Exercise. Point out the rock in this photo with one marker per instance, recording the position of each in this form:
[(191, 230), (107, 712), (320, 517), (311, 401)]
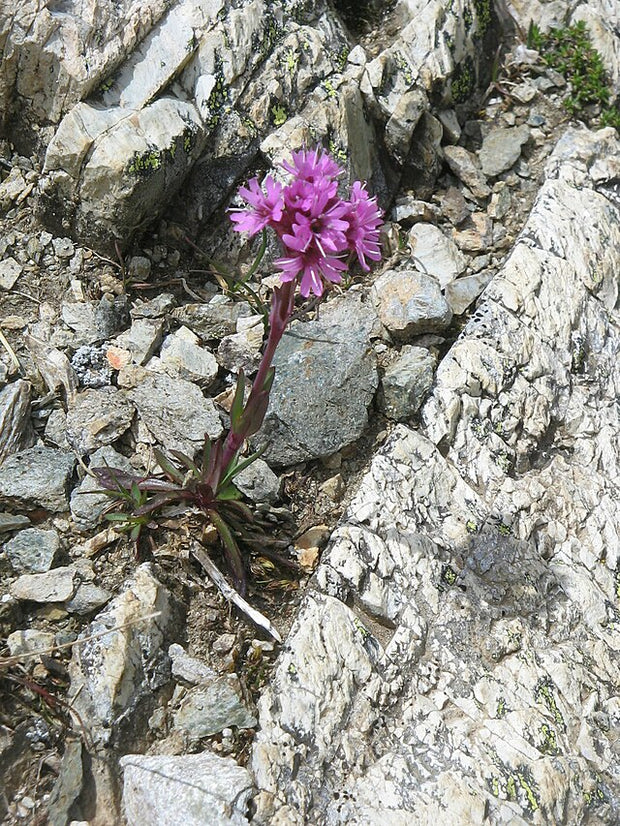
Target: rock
[(436, 254), (12, 522), (401, 125), (68, 785), (325, 380), (181, 355), (175, 412), (258, 482), (29, 641), (10, 270), (189, 669), (111, 315), (56, 585), (500, 204), (454, 206), (466, 166), (88, 501), (16, 431), (501, 149), (91, 366), (142, 339), (460, 294), (476, 235), (410, 210), (113, 676), (32, 550), (87, 598), (139, 269), (214, 320), (193, 789), (460, 555), (98, 417), (206, 711), (409, 302), (406, 383), (37, 476), (53, 365), (242, 349)]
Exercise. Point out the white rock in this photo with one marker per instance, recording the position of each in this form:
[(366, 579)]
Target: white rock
[(436, 254)]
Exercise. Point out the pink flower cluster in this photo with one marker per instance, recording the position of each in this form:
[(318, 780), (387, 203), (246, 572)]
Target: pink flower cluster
[(317, 228)]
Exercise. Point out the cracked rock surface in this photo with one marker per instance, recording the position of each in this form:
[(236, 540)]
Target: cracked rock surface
[(458, 659)]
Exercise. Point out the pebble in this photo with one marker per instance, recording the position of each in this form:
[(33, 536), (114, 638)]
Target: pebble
[(409, 302), (436, 254), (501, 149), (37, 476), (32, 550), (57, 585), (406, 383)]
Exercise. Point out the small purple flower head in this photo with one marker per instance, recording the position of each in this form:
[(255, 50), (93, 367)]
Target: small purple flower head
[(265, 209), (312, 165), (364, 218)]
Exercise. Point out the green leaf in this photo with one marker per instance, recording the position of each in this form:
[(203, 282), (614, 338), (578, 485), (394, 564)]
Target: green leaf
[(236, 410), (169, 469), (237, 467), (229, 492)]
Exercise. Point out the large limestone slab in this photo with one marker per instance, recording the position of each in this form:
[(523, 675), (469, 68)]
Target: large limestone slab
[(458, 658)]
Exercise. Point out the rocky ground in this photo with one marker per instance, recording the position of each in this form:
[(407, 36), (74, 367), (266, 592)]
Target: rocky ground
[(106, 356)]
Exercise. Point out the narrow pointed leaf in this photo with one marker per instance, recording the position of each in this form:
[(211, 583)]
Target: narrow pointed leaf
[(232, 552), (239, 466), (236, 410), (169, 469)]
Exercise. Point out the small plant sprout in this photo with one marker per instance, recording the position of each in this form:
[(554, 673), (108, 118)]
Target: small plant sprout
[(321, 234)]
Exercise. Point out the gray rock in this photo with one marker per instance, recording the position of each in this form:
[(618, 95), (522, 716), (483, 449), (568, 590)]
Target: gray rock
[(16, 431), (139, 269), (56, 585), (409, 302), (501, 149), (258, 482), (37, 476), (68, 785), (501, 201), (436, 254), (325, 380), (406, 383), (10, 270), (241, 350), (12, 522), (32, 550), (193, 789), (142, 339), (111, 315), (88, 502), (205, 711), (162, 305), (91, 366), (114, 675), (455, 682), (214, 320), (175, 412), (460, 294), (98, 417), (410, 210), (181, 355), (454, 205), (466, 166), (189, 669), (87, 598)]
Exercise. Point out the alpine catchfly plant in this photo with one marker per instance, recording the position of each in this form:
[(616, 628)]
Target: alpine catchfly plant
[(321, 234)]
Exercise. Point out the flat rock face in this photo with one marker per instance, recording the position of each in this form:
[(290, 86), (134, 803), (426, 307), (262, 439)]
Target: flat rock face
[(326, 377), (474, 675)]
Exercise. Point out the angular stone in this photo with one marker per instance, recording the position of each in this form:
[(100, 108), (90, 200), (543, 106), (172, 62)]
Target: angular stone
[(193, 789), (175, 412), (466, 166), (406, 383), (32, 550), (56, 585), (476, 235), (214, 320), (98, 417), (258, 482), (501, 149), (325, 380), (454, 206), (189, 669), (205, 711), (16, 431), (37, 476), (29, 641), (460, 294), (142, 339), (10, 270), (409, 303), (181, 355), (436, 254)]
